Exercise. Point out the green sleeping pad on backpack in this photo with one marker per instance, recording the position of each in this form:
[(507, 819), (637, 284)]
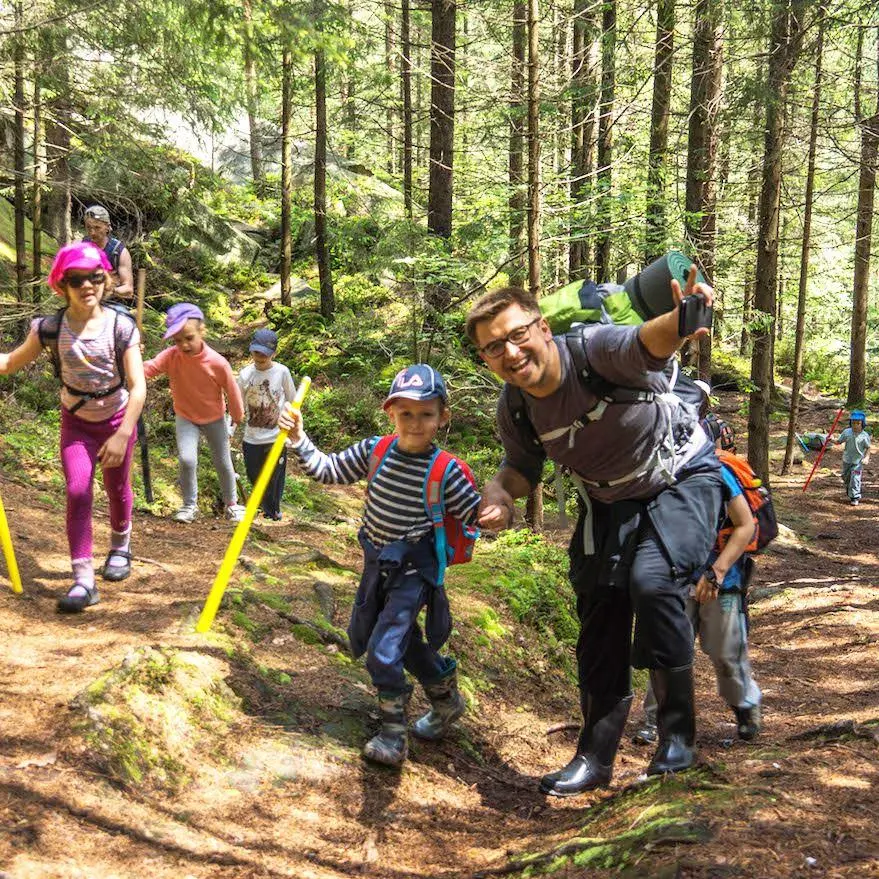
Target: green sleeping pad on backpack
[(588, 303)]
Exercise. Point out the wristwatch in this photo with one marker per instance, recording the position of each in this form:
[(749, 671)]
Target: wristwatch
[(711, 576)]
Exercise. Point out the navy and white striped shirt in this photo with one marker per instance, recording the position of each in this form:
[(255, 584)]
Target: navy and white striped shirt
[(395, 500)]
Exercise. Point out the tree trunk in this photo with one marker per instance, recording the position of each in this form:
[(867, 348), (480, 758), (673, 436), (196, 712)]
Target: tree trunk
[(784, 44), (327, 297), (406, 103), (21, 266), (350, 102), (533, 148), (390, 67), (584, 91), (37, 191), (657, 224), (286, 175), (863, 242), (753, 194), (605, 140), (251, 87), (442, 133), (516, 164), (701, 188), (58, 130), (804, 249)]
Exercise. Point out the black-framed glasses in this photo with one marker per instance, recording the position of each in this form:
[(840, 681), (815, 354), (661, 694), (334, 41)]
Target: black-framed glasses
[(518, 336), (76, 281)]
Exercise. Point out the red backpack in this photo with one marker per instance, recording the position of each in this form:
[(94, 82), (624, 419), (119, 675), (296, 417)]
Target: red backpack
[(759, 500), (454, 539)]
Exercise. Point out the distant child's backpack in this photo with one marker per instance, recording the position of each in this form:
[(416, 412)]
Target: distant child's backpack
[(453, 538), (759, 500)]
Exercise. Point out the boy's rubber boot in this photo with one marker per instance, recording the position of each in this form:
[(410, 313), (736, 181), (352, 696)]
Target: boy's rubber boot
[(446, 706), (391, 745), (592, 766), (748, 722), (676, 719)]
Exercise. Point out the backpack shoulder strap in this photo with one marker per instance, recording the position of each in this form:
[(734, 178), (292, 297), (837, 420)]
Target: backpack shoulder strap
[(123, 329), (378, 454), (435, 484), (113, 249), (48, 330)]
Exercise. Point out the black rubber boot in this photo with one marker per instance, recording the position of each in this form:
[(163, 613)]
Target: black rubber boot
[(391, 745), (748, 722), (592, 766), (446, 706), (676, 719)]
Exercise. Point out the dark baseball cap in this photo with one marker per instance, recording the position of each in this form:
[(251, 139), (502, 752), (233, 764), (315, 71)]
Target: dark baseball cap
[(264, 341), (417, 382)]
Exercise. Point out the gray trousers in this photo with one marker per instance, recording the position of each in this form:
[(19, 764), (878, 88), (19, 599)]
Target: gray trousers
[(217, 435), (851, 476), (723, 637)]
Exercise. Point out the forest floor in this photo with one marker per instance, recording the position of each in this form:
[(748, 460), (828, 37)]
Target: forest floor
[(267, 798)]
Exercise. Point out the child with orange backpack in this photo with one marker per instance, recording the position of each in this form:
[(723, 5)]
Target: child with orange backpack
[(420, 506), (717, 606)]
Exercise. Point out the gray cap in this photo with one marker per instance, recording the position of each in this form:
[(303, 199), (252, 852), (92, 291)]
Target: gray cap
[(98, 212)]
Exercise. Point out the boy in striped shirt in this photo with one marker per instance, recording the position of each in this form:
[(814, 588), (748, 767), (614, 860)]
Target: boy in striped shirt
[(400, 562)]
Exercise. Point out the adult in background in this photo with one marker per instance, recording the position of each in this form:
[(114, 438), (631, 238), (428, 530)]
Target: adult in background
[(97, 230), (650, 497)]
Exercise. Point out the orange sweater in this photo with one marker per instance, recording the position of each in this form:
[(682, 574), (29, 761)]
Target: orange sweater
[(198, 382)]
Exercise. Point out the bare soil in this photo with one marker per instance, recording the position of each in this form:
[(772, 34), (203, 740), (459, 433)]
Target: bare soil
[(802, 800)]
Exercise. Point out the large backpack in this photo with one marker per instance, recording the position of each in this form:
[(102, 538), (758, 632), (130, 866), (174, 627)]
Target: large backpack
[(112, 250), (453, 538), (591, 305), (124, 326), (759, 500)]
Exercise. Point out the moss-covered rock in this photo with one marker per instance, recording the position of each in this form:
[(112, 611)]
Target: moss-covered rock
[(150, 721)]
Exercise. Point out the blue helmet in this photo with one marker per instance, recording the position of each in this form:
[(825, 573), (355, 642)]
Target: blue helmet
[(857, 415)]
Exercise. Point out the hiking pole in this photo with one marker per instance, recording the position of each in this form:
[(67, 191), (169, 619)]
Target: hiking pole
[(212, 605), (823, 448), (8, 551), (141, 425)]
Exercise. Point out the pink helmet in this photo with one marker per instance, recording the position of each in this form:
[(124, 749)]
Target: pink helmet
[(80, 256)]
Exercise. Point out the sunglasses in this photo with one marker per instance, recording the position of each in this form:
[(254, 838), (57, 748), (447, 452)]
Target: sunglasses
[(76, 281)]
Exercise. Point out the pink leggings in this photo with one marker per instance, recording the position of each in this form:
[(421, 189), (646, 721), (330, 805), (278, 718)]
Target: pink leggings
[(80, 441)]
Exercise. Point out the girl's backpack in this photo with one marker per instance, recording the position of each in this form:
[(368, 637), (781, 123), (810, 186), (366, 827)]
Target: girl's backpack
[(453, 538), (124, 326), (759, 500)]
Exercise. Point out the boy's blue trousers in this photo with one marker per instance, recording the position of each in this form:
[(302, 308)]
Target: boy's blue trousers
[(398, 580)]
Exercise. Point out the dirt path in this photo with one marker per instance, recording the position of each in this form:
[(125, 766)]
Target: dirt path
[(294, 799)]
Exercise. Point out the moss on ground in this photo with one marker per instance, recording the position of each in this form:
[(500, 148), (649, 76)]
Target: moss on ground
[(633, 827), (145, 722)]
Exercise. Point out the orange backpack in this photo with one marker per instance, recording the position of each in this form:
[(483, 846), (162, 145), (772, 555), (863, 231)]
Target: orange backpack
[(759, 500)]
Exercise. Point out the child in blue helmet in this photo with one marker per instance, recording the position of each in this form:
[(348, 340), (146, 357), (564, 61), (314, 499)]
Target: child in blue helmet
[(400, 564), (855, 455)]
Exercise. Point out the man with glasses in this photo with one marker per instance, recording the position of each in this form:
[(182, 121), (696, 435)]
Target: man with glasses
[(97, 229), (596, 402)]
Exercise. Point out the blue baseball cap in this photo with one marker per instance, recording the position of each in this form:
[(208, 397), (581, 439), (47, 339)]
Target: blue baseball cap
[(417, 382), (265, 341), (177, 315)]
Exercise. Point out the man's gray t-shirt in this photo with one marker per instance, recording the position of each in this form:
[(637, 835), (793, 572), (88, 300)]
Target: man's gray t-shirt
[(623, 440)]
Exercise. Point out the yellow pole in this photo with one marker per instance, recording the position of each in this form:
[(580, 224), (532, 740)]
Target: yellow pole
[(212, 605), (8, 551)]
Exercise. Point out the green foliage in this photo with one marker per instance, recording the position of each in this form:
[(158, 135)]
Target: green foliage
[(528, 574)]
